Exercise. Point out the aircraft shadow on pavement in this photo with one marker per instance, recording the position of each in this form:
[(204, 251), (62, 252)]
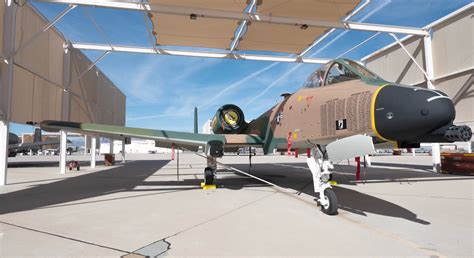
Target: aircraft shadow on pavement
[(25, 164), (80, 187), (127, 177), (296, 176)]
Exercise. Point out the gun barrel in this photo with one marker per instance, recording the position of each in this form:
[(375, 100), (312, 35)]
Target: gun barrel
[(458, 133)]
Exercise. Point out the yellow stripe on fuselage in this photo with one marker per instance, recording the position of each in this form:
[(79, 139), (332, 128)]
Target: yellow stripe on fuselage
[(372, 114)]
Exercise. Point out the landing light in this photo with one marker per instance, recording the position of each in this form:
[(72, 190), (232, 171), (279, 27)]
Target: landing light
[(325, 178)]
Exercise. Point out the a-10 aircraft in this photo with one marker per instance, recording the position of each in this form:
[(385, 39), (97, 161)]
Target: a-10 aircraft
[(15, 146), (342, 111)]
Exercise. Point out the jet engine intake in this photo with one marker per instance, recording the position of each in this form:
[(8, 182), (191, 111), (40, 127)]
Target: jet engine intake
[(229, 119)]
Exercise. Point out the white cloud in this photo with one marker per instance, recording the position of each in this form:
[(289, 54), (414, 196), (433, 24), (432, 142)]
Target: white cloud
[(229, 88), (274, 83)]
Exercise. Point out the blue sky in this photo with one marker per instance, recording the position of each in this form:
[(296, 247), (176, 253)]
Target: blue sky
[(162, 90)]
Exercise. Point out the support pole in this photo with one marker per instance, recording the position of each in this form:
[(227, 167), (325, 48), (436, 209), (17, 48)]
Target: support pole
[(435, 148), (111, 146), (177, 166), (93, 150), (367, 161), (3, 151), (357, 159), (85, 145), (172, 151), (6, 82), (123, 151), (62, 151)]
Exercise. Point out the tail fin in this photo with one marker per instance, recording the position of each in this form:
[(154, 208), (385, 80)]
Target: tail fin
[(196, 120), (38, 135)]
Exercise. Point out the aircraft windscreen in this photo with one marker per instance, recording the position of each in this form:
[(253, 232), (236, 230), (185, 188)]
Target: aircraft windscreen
[(314, 80), (362, 70)]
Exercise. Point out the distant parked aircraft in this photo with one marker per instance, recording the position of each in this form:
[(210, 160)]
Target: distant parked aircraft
[(15, 146)]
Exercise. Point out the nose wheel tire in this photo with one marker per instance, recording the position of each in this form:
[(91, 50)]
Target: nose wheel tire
[(209, 176), (331, 202)]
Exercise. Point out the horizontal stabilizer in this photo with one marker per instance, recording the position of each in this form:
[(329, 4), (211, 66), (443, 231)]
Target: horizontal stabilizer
[(350, 147)]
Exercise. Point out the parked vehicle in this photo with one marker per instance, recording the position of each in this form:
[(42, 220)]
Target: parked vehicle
[(245, 151)]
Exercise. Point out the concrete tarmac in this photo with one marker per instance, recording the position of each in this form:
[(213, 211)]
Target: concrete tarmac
[(140, 208)]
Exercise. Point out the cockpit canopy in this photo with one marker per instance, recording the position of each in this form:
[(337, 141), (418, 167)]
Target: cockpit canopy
[(340, 70)]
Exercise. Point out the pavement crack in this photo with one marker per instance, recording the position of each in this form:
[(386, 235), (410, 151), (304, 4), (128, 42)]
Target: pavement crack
[(64, 237), (165, 239)]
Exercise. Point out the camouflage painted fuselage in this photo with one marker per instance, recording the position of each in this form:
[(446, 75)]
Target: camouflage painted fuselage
[(317, 116)]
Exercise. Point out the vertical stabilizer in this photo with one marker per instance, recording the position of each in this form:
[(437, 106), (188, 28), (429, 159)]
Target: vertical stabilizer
[(38, 136), (196, 120)]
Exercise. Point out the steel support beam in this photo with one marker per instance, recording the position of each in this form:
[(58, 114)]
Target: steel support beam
[(435, 148), (159, 51), (66, 83), (94, 63), (427, 76), (210, 13), (111, 146), (325, 35), (93, 150), (242, 26), (123, 151), (356, 11), (9, 31), (85, 144), (45, 28), (358, 45), (315, 43), (62, 151), (386, 28), (3, 151)]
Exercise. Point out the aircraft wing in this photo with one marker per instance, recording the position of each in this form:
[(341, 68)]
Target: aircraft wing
[(163, 138)]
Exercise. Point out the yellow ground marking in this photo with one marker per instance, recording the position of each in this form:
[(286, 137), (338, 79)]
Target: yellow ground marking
[(207, 187)]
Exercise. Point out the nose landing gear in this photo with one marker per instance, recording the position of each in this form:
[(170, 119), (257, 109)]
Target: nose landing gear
[(319, 165)]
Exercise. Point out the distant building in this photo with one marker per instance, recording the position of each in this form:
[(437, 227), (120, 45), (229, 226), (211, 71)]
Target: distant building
[(207, 128)]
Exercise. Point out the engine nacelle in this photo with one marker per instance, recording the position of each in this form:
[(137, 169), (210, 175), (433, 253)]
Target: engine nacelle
[(229, 119)]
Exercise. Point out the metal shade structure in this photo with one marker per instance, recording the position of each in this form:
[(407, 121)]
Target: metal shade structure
[(233, 29), (206, 32)]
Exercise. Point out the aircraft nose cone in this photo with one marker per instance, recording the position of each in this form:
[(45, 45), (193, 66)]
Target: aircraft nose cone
[(406, 113)]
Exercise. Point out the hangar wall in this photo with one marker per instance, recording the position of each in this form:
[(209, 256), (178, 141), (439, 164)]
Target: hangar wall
[(453, 61), (50, 84)]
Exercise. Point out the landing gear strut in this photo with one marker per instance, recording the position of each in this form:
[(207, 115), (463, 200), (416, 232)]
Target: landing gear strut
[(319, 165), (210, 171)]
